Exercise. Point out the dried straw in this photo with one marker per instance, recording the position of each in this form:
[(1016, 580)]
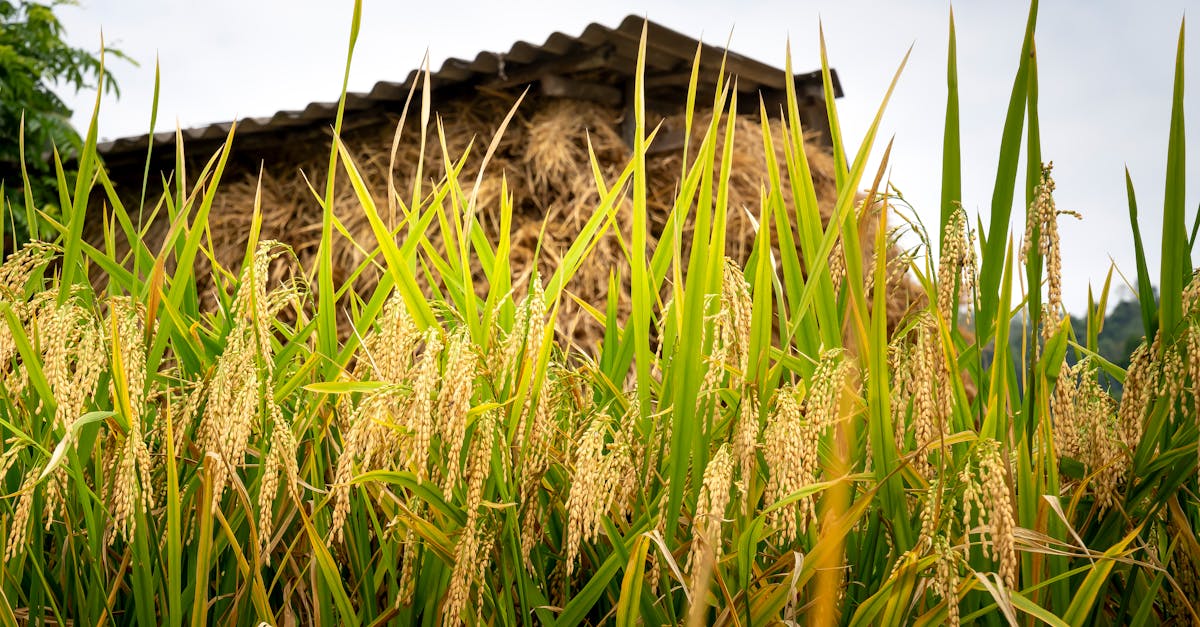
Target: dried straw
[(542, 158)]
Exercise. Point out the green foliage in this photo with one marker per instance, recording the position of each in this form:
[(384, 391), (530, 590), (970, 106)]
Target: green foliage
[(35, 61), (1121, 334), (751, 446)]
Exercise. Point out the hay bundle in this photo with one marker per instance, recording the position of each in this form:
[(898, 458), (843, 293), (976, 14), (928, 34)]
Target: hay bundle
[(543, 157)]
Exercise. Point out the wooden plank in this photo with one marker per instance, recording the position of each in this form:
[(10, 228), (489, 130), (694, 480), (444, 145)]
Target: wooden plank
[(557, 86)]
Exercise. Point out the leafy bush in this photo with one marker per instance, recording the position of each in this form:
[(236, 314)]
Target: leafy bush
[(34, 60)]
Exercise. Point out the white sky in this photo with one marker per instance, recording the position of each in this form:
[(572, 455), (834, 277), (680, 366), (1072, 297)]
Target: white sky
[(1105, 71)]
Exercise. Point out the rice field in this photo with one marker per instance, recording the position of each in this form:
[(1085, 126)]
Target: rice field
[(751, 443)]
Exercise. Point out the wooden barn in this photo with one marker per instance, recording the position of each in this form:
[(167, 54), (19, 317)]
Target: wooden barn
[(579, 91)]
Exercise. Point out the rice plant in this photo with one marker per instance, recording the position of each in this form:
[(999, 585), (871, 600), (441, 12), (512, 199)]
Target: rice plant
[(750, 443)]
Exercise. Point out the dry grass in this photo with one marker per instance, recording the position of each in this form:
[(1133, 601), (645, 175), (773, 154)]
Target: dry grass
[(543, 158)]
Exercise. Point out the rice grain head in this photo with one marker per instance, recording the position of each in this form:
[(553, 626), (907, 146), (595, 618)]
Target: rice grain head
[(371, 441), (242, 383), (986, 497), (419, 415), (947, 578), (707, 546), (281, 455), (790, 449), (19, 268), (474, 545), (536, 458), (745, 441), (931, 391), (1043, 216), (956, 268), (131, 484), (1140, 384), (602, 480), (454, 402), (736, 299), (18, 528)]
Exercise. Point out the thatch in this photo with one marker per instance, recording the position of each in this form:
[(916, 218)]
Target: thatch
[(543, 156)]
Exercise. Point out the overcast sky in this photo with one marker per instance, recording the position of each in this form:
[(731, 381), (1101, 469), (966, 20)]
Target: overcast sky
[(1105, 72)]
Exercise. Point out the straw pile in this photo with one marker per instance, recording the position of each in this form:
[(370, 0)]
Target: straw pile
[(543, 156)]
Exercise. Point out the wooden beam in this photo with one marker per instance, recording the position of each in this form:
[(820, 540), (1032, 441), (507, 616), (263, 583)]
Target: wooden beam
[(559, 87)]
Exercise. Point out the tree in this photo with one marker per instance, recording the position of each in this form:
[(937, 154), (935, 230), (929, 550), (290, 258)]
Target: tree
[(34, 60)]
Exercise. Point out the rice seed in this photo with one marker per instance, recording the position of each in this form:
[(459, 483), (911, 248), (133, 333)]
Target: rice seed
[(371, 440), (410, 556), (837, 266), (454, 402), (388, 348), (956, 267), (986, 498), (240, 386), (72, 358), (931, 391), (281, 455), (18, 528), (946, 578), (1043, 216), (419, 414), (706, 548), (474, 545), (736, 300), (601, 481), (231, 410), (1140, 384), (524, 342), (131, 482), (790, 450), (825, 386), (745, 440), (535, 458), (20, 266)]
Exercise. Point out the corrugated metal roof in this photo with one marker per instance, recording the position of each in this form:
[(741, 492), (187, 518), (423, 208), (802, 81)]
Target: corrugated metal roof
[(667, 51)]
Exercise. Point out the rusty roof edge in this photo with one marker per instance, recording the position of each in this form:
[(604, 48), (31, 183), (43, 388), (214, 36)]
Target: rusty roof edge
[(485, 62)]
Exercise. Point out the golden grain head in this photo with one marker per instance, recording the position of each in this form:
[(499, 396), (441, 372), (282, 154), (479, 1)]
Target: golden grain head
[(707, 546), (472, 553), (947, 578), (408, 566), (536, 454), (997, 501), (1137, 395), (72, 358), (957, 265), (827, 384), (1041, 232), (1087, 427), (837, 266), (928, 376), (745, 439), (18, 528), (371, 441), (592, 493), (419, 415), (232, 408), (454, 401), (280, 455), (20, 266), (388, 349), (736, 300), (790, 445), (1171, 377), (244, 370)]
